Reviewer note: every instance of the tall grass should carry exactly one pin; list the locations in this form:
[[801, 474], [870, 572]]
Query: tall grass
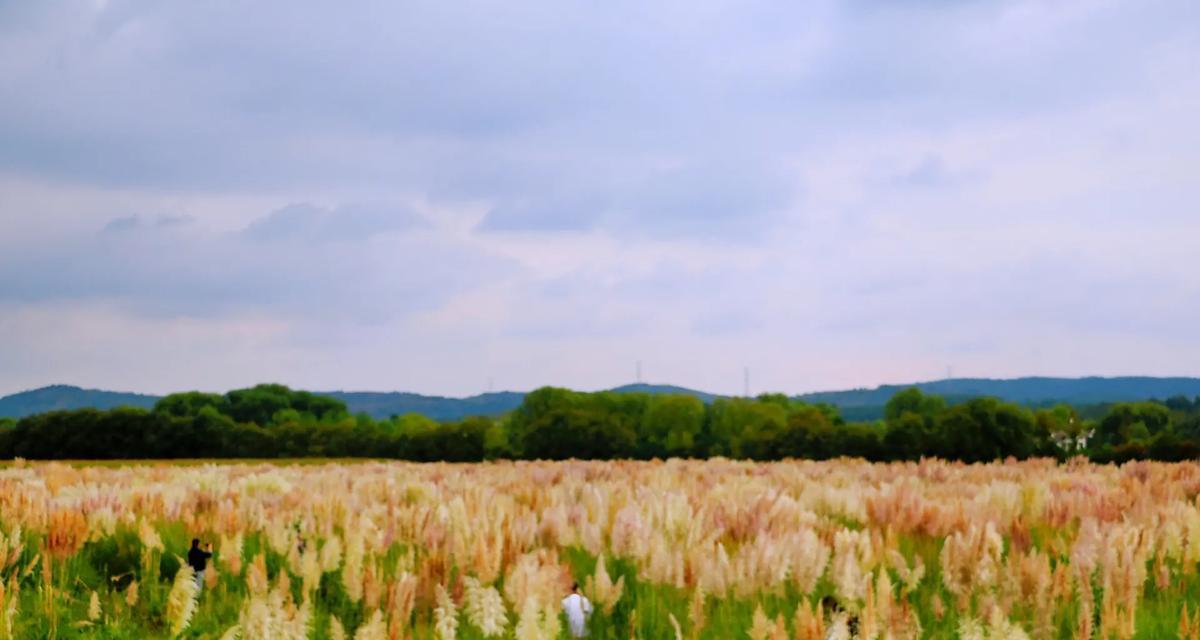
[[698, 550]]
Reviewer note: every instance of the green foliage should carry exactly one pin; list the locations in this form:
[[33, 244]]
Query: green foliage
[[565, 433], [734, 421], [269, 421], [496, 442], [670, 426], [7, 427], [1133, 422], [412, 424], [986, 429], [181, 405], [909, 436], [115, 558], [914, 401], [536, 404], [261, 405]]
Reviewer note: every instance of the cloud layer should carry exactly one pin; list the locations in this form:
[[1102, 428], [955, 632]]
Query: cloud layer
[[427, 196]]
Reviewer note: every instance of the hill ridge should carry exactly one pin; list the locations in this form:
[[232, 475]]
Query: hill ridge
[[859, 403]]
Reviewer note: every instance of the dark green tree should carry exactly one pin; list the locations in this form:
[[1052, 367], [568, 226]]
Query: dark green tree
[[261, 404], [579, 433], [190, 403], [807, 433], [536, 404], [912, 418], [909, 436], [1132, 422], [986, 429], [7, 426], [733, 421], [670, 426], [913, 400]]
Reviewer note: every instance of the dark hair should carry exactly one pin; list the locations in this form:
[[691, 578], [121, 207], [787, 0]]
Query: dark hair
[[830, 603], [574, 586], [195, 542]]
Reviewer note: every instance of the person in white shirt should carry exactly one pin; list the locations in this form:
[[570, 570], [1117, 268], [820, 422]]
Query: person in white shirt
[[578, 609], [841, 626]]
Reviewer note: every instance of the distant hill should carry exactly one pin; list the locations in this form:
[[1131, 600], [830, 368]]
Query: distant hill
[[387, 404], [867, 404], [1033, 390], [657, 389], [856, 404], [61, 396], [377, 404]]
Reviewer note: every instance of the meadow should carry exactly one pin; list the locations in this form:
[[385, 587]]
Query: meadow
[[676, 549]]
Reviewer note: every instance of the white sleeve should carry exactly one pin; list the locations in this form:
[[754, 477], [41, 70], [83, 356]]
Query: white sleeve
[[587, 606]]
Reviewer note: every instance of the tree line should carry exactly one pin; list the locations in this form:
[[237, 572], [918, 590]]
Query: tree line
[[273, 421]]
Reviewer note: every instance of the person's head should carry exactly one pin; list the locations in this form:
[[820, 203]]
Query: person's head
[[195, 542], [830, 604], [574, 587]]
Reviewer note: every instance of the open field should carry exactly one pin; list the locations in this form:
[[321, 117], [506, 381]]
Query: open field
[[199, 462], [714, 549]]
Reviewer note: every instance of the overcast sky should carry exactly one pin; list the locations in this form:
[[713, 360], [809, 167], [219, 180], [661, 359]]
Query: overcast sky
[[429, 196]]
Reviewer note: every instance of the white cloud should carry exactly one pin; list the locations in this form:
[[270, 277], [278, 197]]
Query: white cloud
[[427, 195]]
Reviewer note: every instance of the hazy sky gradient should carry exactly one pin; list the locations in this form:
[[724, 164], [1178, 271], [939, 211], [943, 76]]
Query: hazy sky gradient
[[428, 195]]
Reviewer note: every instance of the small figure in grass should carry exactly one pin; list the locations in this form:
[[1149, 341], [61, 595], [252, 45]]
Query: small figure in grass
[[577, 608], [840, 625], [301, 545], [198, 559]]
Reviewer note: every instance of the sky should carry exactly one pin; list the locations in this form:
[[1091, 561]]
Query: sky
[[451, 197]]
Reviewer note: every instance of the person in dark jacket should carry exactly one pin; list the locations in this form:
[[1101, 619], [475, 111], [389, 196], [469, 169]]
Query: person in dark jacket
[[198, 559]]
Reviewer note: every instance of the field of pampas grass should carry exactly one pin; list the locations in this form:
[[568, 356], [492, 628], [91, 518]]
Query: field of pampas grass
[[679, 549]]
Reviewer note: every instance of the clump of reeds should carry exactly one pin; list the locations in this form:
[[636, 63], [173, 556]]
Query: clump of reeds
[[602, 590], [93, 611], [230, 553], [445, 615], [336, 630], [484, 608], [763, 627], [373, 629], [537, 622], [10, 602], [181, 601]]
